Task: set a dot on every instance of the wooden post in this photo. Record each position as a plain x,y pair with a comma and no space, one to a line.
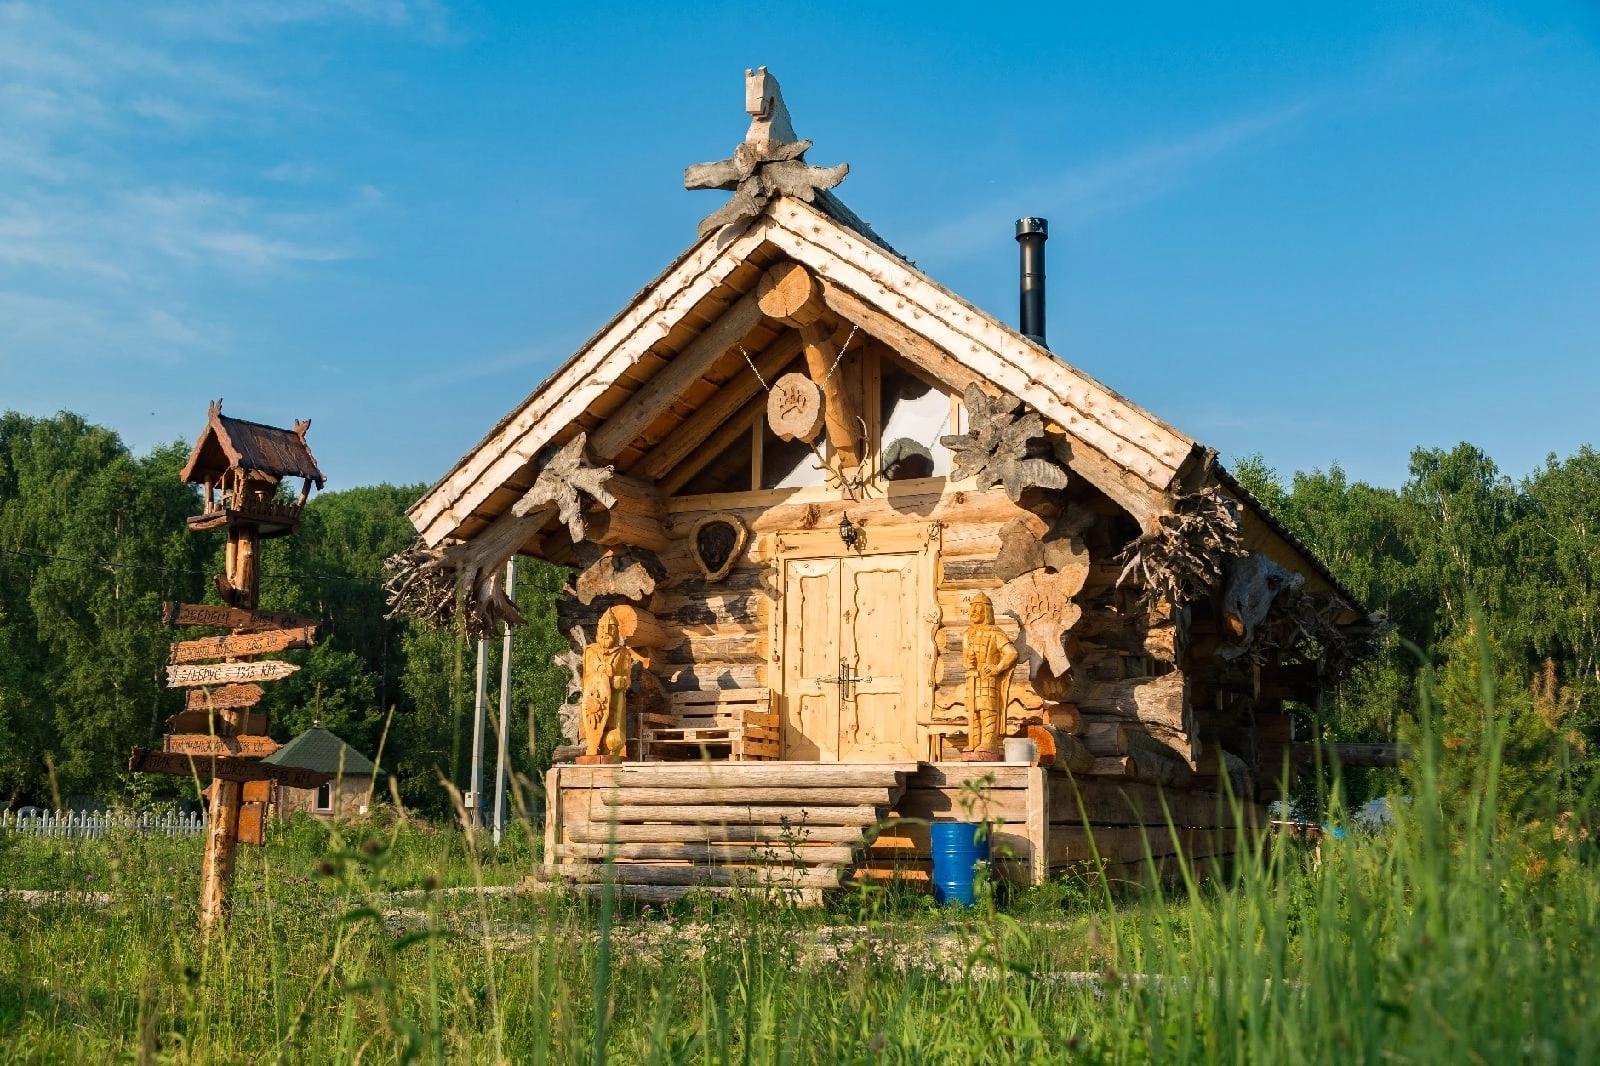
216,872
479,710
501,749
245,577
222,834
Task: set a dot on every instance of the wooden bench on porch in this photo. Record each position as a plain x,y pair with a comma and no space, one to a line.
735,724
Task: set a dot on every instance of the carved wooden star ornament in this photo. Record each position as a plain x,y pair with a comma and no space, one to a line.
565,479
998,447
770,161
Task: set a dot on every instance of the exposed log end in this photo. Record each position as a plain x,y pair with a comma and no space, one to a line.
788,293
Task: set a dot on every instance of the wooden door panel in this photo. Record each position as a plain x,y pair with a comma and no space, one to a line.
878,634
811,653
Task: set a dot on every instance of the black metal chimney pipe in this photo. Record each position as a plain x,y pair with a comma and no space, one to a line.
1031,235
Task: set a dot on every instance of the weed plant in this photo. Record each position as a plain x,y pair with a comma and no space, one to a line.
1458,934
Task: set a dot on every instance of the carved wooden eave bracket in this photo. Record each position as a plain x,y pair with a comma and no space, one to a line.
464,581
567,477
769,162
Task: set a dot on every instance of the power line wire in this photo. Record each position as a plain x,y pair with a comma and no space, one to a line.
101,565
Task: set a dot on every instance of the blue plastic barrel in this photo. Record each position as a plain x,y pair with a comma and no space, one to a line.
957,850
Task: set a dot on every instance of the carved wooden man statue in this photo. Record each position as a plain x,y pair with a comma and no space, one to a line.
989,658
607,675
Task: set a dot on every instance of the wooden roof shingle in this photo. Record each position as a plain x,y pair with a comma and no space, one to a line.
236,444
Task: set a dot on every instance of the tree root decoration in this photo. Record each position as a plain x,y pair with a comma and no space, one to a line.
1183,559
564,479
464,583
445,587
1305,625
1266,608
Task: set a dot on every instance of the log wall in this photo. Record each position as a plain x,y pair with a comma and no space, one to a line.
723,627
1044,823
1146,697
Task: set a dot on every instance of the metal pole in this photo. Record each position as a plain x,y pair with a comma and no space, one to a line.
505,711
475,787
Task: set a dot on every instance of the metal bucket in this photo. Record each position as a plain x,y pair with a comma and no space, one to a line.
1021,750
957,850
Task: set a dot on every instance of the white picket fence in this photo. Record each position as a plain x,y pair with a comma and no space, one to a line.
97,823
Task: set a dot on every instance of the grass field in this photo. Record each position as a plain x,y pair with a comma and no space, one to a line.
1448,938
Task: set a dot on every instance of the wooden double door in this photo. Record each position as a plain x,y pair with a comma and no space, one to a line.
856,644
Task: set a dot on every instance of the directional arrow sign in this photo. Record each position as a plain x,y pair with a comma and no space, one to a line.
223,697
228,767
207,614
251,747
243,644
223,723
220,673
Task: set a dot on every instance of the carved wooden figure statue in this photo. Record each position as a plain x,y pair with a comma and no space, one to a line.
607,675
989,658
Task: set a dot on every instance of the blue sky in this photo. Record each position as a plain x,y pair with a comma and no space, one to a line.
1323,235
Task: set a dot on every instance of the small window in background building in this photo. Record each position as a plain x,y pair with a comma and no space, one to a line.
325,797
914,415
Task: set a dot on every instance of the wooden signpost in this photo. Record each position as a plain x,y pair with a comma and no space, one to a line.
223,673
210,614
230,768
223,723
224,697
262,643
254,746
217,737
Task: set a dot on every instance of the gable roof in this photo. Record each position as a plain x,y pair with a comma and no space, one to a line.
622,382
235,444
319,750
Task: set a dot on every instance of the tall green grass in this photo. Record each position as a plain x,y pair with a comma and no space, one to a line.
1460,934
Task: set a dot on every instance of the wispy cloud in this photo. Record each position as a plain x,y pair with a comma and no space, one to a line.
545,353
1456,68
1111,184
100,234
236,19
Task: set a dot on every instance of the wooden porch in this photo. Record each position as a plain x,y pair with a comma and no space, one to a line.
806,827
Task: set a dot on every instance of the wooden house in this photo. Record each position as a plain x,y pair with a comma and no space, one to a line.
348,790
782,476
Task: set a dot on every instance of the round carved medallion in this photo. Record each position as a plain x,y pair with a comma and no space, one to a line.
715,541
794,408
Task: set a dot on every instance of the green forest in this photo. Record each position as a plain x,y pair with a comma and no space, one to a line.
92,540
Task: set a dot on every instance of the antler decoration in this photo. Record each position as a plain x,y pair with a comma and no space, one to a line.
770,161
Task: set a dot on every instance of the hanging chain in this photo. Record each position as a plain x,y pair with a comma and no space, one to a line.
845,347
757,373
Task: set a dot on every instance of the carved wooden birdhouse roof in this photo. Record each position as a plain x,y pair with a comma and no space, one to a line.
234,444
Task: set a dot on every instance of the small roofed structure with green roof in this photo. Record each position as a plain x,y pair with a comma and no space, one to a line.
317,749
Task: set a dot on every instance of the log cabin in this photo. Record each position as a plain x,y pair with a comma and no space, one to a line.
782,475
